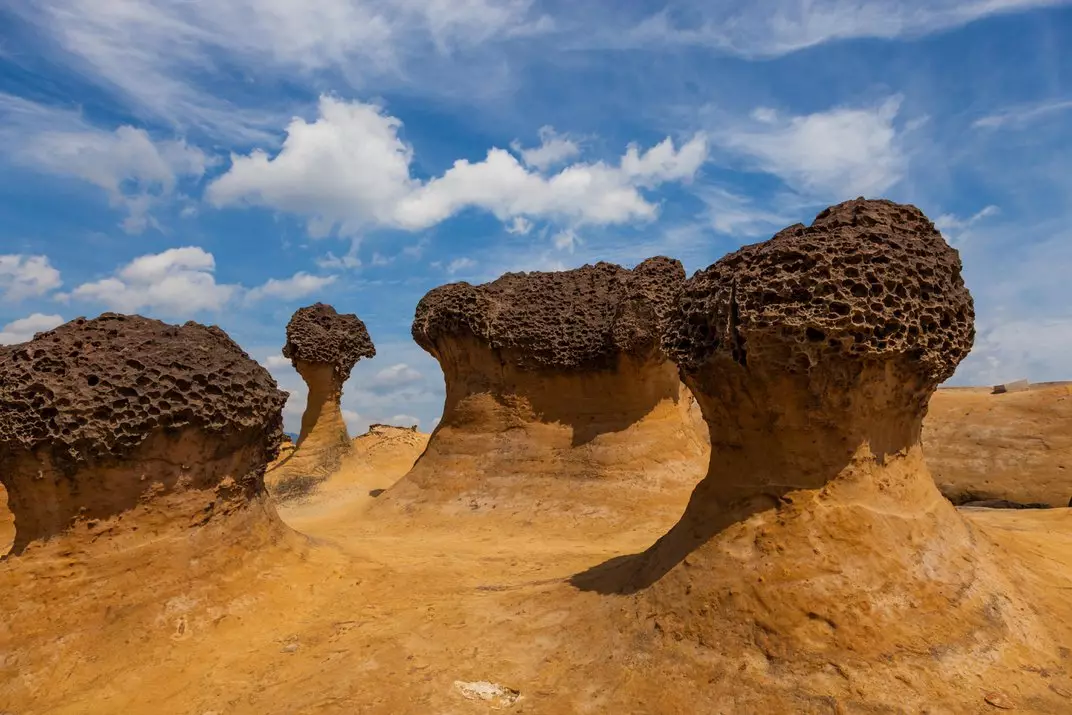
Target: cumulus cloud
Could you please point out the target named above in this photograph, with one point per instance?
(839, 153)
(349, 169)
(297, 286)
(554, 149)
(459, 264)
(23, 329)
(179, 281)
(276, 362)
(23, 276)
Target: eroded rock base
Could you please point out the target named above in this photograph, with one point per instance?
(870, 591)
(175, 482)
(587, 445)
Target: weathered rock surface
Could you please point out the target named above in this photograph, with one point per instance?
(323, 346)
(1015, 446)
(558, 395)
(818, 536)
(126, 418)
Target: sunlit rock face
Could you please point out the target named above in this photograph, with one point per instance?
(558, 394)
(125, 424)
(323, 346)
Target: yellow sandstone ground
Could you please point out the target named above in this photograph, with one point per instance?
(362, 612)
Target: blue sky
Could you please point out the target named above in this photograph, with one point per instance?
(233, 160)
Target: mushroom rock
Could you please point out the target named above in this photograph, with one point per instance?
(818, 536)
(555, 384)
(323, 346)
(122, 427)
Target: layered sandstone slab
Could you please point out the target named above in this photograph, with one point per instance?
(558, 395)
(818, 536)
(323, 346)
(1015, 446)
(123, 424)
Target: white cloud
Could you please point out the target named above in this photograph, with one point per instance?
(565, 240)
(149, 51)
(554, 149)
(177, 282)
(519, 226)
(299, 285)
(23, 276)
(1034, 349)
(128, 164)
(350, 169)
(355, 423)
(1022, 116)
(734, 215)
(394, 378)
(779, 27)
(22, 330)
(956, 229)
(404, 421)
(840, 153)
(276, 362)
(459, 264)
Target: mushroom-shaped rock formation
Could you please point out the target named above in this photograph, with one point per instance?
(818, 536)
(550, 377)
(323, 346)
(124, 424)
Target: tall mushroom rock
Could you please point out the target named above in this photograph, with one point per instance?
(551, 377)
(818, 535)
(323, 346)
(122, 424)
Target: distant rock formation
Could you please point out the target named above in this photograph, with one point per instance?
(323, 346)
(818, 536)
(1015, 446)
(124, 424)
(555, 384)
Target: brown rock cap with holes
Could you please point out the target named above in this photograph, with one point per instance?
(318, 334)
(96, 388)
(868, 278)
(568, 320)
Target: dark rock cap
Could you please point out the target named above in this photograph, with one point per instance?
(320, 335)
(578, 319)
(93, 388)
(867, 278)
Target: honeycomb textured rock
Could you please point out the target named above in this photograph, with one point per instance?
(578, 319)
(318, 334)
(93, 388)
(867, 278)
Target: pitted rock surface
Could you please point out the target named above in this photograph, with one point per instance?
(318, 334)
(578, 319)
(867, 278)
(99, 387)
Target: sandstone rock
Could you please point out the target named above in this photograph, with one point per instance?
(818, 536)
(555, 384)
(323, 346)
(123, 417)
(1016, 447)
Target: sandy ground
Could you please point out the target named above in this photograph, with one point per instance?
(360, 611)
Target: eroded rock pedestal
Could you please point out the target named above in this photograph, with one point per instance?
(125, 429)
(323, 346)
(558, 395)
(817, 556)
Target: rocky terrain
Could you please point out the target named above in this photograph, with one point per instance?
(560, 402)
(323, 346)
(648, 494)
